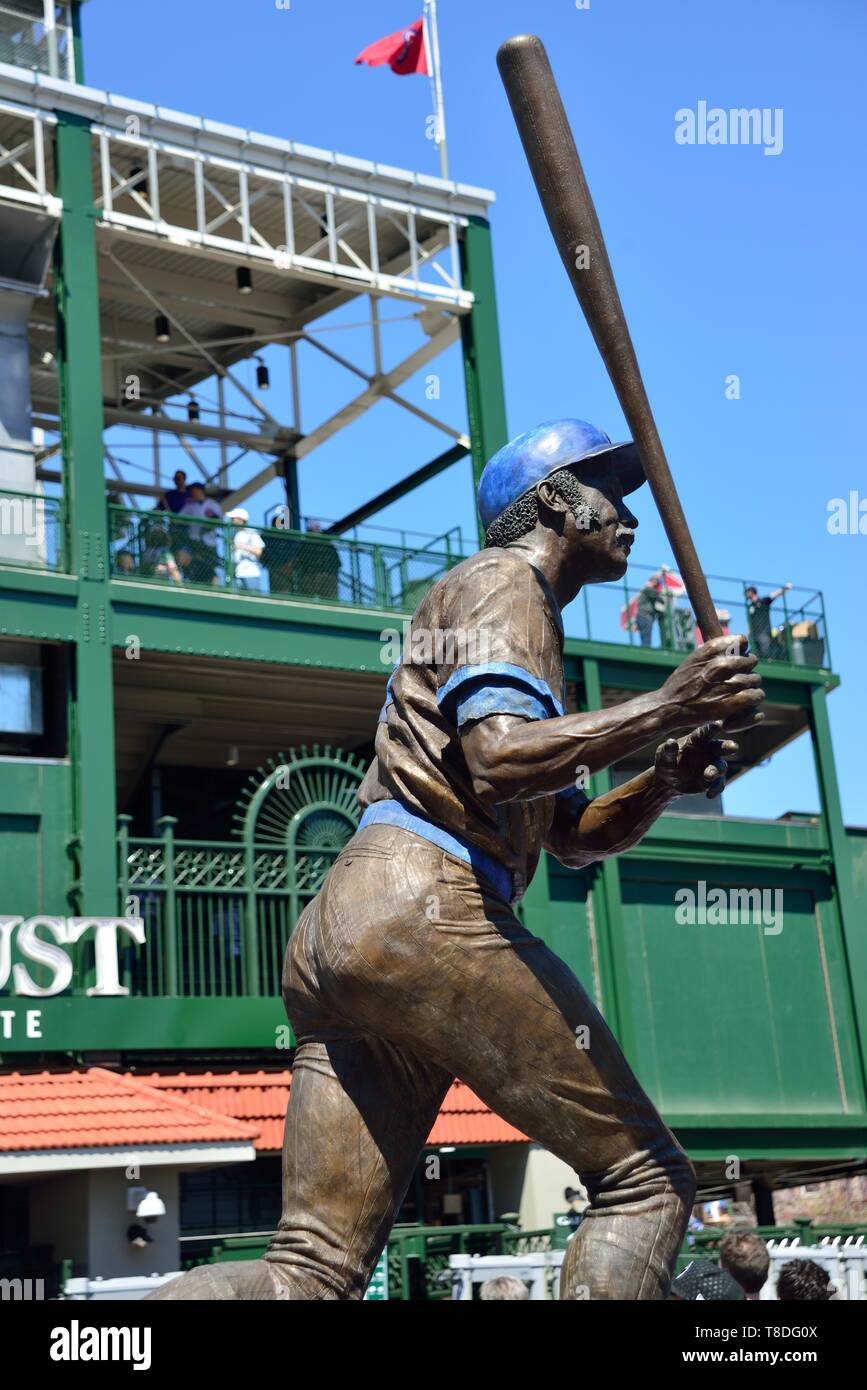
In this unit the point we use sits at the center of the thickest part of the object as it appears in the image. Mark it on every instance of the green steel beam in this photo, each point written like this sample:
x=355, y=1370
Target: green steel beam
x=643, y=668
x=229, y=626
x=851, y=918
x=80, y=387
x=480, y=338
x=288, y=468
x=802, y=1141
x=77, y=46
x=45, y=607
x=393, y=494
x=725, y=839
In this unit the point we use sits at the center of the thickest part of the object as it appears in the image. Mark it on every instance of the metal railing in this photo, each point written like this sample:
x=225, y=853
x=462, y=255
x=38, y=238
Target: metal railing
x=31, y=530
x=217, y=915
x=418, y=1256
x=25, y=42
x=791, y=629
x=173, y=549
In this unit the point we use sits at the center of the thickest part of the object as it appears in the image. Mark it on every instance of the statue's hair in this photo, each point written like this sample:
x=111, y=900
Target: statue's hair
x=521, y=516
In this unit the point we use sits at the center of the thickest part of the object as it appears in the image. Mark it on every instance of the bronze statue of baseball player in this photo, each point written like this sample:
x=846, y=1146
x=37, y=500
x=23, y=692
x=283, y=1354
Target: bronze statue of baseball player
x=411, y=966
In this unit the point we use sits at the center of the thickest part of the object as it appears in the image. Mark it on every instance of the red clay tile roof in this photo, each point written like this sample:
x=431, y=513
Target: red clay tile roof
x=97, y=1108
x=260, y=1098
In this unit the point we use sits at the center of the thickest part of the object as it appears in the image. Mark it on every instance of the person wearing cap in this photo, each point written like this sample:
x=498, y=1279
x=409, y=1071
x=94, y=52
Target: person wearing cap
x=247, y=550
x=411, y=966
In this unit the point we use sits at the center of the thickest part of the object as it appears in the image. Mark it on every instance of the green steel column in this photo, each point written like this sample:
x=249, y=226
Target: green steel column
x=77, y=50
x=480, y=337
x=853, y=934
x=608, y=907
x=289, y=471
x=81, y=415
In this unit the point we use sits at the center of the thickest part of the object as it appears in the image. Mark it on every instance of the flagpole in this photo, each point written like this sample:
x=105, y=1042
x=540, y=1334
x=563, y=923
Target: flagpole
x=432, y=45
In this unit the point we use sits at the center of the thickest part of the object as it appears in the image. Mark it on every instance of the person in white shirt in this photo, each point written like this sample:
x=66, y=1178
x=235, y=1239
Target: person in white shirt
x=203, y=542
x=247, y=550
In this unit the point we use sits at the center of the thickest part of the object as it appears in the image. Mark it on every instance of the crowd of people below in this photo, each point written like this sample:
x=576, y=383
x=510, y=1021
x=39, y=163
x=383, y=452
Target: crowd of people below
x=739, y=1276
x=192, y=546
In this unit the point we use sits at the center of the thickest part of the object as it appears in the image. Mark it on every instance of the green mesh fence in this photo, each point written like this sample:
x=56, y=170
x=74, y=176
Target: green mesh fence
x=165, y=548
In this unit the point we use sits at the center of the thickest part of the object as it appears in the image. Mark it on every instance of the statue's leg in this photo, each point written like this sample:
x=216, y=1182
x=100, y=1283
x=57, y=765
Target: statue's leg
x=360, y=1111
x=359, y=1114
x=472, y=989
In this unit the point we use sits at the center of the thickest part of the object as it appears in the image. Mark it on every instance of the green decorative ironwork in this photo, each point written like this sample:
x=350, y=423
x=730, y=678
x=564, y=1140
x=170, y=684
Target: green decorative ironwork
x=218, y=915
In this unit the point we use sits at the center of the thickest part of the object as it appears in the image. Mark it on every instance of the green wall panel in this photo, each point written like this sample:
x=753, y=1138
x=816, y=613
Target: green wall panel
x=557, y=907
x=729, y=1020
x=35, y=824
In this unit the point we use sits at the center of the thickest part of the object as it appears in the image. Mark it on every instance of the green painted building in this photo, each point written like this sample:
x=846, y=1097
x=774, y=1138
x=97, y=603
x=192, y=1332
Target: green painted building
x=182, y=729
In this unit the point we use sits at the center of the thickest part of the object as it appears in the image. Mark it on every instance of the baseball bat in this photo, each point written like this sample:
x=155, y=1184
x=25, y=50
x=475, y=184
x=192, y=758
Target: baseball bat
x=553, y=158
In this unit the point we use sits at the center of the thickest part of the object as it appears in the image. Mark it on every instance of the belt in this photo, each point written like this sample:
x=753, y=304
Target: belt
x=394, y=813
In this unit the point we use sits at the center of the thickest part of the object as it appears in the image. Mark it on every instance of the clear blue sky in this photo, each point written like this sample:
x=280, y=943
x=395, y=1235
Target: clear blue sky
x=729, y=261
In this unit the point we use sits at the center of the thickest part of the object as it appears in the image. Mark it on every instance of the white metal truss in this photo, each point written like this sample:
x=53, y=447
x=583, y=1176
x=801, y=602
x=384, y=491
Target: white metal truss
x=197, y=184
x=23, y=175
x=378, y=388
x=177, y=183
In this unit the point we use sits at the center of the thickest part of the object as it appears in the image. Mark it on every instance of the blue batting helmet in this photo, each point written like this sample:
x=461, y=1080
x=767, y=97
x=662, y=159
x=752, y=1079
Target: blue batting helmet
x=525, y=461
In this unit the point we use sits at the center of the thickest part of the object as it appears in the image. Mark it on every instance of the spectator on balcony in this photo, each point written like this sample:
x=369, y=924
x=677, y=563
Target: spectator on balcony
x=202, y=542
x=316, y=564
x=765, y=644
x=277, y=561
x=745, y=1256
x=173, y=498
x=183, y=559
x=158, y=561
x=124, y=562
x=651, y=607
x=247, y=550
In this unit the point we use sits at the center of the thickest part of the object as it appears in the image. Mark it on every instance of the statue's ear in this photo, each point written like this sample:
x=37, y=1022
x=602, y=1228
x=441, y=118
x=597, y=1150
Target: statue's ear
x=552, y=506
x=550, y=502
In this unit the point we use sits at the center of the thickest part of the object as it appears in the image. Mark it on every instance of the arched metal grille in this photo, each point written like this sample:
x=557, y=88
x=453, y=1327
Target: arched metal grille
x=218, y=916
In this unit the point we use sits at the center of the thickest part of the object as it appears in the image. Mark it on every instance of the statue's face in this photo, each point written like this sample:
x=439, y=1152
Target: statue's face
x=600, y=539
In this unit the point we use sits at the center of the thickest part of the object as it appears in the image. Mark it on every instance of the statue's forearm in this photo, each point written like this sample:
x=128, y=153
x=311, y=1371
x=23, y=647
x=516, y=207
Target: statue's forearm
x=609, y=824
x=515, y=760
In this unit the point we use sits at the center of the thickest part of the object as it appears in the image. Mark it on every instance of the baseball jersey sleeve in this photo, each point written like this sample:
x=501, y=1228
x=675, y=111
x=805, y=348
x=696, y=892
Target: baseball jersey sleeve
x=504, y=652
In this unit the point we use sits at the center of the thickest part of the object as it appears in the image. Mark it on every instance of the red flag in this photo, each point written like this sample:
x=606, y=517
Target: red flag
x=405, y=51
